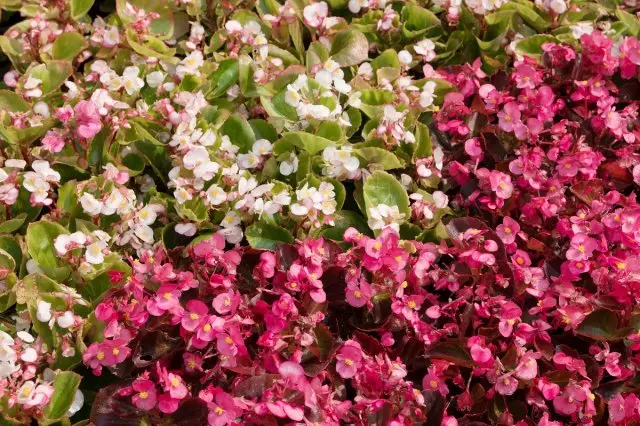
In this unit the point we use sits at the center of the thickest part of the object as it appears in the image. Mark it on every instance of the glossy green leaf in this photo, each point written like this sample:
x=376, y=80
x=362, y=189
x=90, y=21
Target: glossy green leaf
x=349, y=47
x=68, y=45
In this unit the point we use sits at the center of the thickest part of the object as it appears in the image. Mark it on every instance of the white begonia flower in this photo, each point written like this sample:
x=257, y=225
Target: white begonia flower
x=191, y=64
x=581, y=28
x=208, y=138
x=15, y=164
x=340, y=163
x=147, y=215
x=65, y=242
x=216, y=195
x=261, y=147
x=249, y=160
x=356, y=5
x=290, y=165
x=182, y=195
x=292, y=97
x=3, y=175
x=196, y=156
x=384, y=216
x=427, y=95
x=94, y=253
x=25, y=337
x=41, y=108
x=131, y=81
x=440, y=199
x=111, y=37
x=315, y=13
x=32, y=267
x=25, y=392
x=186, y=229
x=558, y=6
x=405, y=57
x=32, y=87
x=425, y=48
x=43, y=311
x=7, y=353
x=155, y=78
x=29, y=355
x=76, y=405
x=233, y=26
x=144, y=233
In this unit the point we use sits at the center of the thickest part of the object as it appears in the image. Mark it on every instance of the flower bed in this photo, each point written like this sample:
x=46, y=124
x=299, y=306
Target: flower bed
x=344, y=212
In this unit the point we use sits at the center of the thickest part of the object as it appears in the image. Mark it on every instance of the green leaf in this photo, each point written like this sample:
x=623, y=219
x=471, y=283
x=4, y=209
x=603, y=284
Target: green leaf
x=603, y=325
x=79, y=8
x=424, y=146
x=267, y=235
x=162, y=26
x=68, y=45
x=65, y=386
x=224, y=77
x=532, y=46
x=382, y=188
x=349, y=47
x=40, y=239
x=631, y=22
x=12, y=102
x=387, y=59
x=302, y=140
x=14, y=224
x=52, y=74
x=263, y=130
x=240, y=132
x=379, y=159
x=418, y=18
x=529, y=15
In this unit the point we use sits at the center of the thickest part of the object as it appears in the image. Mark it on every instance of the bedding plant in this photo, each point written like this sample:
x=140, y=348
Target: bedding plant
x=365, y=212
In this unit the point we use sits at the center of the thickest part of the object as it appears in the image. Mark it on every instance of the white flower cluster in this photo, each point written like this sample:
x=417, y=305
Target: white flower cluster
x=255, y=158
x=384, y=216
x=340, y=163
x=120, y=201
x=136, y=228
x=311, y=202
x=38, y=182
x=331, y=75
x=95, y=246
x=392, y=123
x=250, y=34
x=298, y=96
x=482, y=7
x=8, y=356
x=554, y=6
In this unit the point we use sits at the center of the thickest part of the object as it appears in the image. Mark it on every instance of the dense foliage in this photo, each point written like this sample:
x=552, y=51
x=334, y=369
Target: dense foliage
x=366, y=212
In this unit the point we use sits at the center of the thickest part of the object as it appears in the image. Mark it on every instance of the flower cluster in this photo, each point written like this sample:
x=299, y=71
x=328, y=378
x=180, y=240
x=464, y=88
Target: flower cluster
x=320, y=212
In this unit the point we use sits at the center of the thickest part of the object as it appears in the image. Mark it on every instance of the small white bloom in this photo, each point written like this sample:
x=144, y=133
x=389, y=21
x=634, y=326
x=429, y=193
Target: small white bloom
x=25, y=391
x=147, y=215
x=76, y=405
x=90, y=205
x=440, y=199
x=29, y=355
x=94, y=254
x=43, y=312
x=261, y=147
x=155, y=78
x=383, y=216
x=289, y=165
x=315, y=13
x=405, y=57
x=216, y=195
x=25, y=337
x=186, y=229
x=41, y=108
x=428, y=94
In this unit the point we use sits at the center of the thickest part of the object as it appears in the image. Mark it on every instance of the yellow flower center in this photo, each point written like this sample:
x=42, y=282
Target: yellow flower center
x=348, y=362
x=357, y=294
x=227, y=302
x=207, y=327
x=411, y=304
x=219, y=411
x=377, y=245
x=194, y=316
x=143, y=395
x=167, y=296
x=581, y=248
x=433, y=384
x=116, y=351
x=100, y=356
x=228, y=340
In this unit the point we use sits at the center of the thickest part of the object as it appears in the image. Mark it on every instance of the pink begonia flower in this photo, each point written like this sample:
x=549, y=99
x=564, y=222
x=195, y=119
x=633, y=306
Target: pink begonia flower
x=506, y=385
x=349, y=359
x=145, y=397
x=433, y=383
x=582, y=247
x=175, y=386
x=481, y=355
x=508, y=230
x=192, y=362
x=196, y=312
x=527, y=368
x=267, y=264
x=223, y=410
x=548, y=389
x=358, y=295
x=87, y=119
x=501, y=184
x=226, y=303
x=167, y=404
x=570, y=400
x=509, y=117
x=53, y=142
